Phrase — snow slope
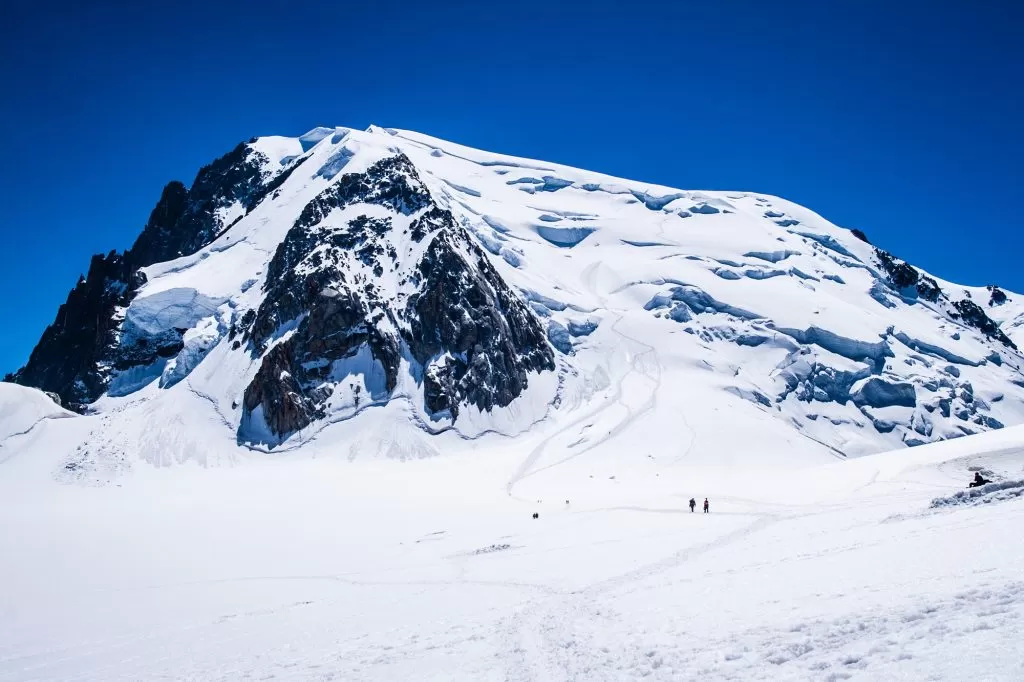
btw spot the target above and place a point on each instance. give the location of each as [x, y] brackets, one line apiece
[21, 411]
[321, 566]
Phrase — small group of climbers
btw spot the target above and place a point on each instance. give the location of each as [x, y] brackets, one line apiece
[707, 505]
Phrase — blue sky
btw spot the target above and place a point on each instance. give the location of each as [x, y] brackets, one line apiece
[901, 118]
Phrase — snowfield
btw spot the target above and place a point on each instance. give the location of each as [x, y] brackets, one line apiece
[328, 563]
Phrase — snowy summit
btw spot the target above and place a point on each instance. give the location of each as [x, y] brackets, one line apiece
[412, 346]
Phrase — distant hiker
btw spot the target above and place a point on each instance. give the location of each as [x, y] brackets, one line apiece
[536, 515]
[707, 506]
[978, 481]
[693, 504]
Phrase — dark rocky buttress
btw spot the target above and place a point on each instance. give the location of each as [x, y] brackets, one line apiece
[908, 281]
[466, 313]
[473, 338]
[69, 357]
[78, 351]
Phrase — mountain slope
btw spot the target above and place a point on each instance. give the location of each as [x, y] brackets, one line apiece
[348, 283]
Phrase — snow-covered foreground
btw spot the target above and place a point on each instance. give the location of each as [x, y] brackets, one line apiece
[318, 566]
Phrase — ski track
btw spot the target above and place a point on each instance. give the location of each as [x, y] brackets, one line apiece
[526, 468]
[542, 636]
[555, 638]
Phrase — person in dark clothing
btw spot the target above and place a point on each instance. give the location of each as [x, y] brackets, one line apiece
[979, 480]
[693, 504]
[707, 506]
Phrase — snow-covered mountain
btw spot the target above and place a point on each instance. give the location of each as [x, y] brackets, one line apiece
[361, 283]
[488, 388]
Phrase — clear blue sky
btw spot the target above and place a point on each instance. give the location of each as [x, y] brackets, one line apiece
[902, 118]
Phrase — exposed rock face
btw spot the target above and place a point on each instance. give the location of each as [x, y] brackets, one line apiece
[276, 385]
[185, 220]
[859, 234]
[367, 292]
[465, 311]
[158, 237]
[79, 350]
[69, 358]
[903, 276]
[392, 183]
[974, 315]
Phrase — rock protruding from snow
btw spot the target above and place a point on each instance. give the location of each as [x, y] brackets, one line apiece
[405, 284]
[78, 354]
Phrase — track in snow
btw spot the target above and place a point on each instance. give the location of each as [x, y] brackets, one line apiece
[638, 366]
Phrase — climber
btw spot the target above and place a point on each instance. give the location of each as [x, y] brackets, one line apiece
[707, 506]
[693, 504]
[978, 481]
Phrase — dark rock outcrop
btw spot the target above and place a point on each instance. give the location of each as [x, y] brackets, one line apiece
[391, 182]
[466, 310]
[974, 315]
[185, 220]
[473, 340]
[276, 384]
[860, 235]
[903, 276]
[996, 295]
[71, 356]
[78, 352]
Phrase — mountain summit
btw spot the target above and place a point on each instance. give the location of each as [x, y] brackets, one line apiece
[385, 287]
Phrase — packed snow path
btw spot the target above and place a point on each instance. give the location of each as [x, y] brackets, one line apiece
[643, 365]
[319, 568]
